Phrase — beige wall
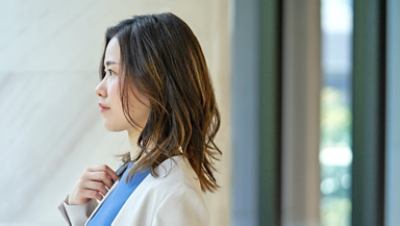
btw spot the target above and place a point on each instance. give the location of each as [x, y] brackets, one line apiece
[50, 126]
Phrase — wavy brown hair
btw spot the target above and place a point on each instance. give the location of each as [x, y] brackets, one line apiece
[162, 58]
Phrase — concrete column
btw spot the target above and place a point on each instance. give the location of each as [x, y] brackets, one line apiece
[301, 113]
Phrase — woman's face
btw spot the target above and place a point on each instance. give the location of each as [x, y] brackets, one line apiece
[108, 90]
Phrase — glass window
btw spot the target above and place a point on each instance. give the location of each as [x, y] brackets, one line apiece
[335, 147]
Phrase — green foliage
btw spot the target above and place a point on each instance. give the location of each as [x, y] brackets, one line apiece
[336, 118]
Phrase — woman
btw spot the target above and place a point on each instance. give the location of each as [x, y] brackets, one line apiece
[154, 85]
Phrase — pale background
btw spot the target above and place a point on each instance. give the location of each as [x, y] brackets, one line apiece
[51, 129]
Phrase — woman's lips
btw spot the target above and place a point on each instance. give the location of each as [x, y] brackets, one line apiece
[103, 107]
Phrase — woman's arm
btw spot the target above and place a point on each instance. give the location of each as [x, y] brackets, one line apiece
[77, 215]
[93, 184]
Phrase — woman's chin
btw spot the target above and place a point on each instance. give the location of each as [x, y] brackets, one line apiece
[113, 128]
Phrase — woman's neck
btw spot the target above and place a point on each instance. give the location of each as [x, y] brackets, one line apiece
[133, 136]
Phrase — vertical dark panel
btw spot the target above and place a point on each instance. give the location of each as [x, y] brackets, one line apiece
[245, 120]
[270, 112]
[368, 113]
[256, 112]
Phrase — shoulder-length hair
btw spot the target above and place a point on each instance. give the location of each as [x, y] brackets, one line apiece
[162, 58]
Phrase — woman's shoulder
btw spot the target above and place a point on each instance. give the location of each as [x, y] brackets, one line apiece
[172, 198]
[176, 179]
[175, 173]
[178, 191]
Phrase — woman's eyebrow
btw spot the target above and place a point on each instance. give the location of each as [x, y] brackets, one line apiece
[108, 63]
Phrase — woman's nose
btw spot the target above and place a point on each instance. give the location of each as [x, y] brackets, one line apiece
[100, 91]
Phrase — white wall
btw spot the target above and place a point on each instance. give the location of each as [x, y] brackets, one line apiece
[50, 128]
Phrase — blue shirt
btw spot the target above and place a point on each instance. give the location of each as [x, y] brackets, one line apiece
[110, 207]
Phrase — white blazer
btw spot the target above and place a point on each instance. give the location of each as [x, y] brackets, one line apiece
[173, 199]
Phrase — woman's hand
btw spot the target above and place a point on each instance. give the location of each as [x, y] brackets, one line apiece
[93, 184]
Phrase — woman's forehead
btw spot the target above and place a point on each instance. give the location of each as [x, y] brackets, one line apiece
[113, 53]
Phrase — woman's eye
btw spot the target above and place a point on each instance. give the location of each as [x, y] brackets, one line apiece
[109, 71]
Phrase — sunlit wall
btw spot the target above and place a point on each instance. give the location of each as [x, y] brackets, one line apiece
[50, 126]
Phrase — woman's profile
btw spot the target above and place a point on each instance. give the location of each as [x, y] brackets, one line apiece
[155, 85]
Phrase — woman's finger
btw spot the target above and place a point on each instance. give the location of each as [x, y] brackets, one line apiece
[101, 177]
[94, 185]
[104, 168]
